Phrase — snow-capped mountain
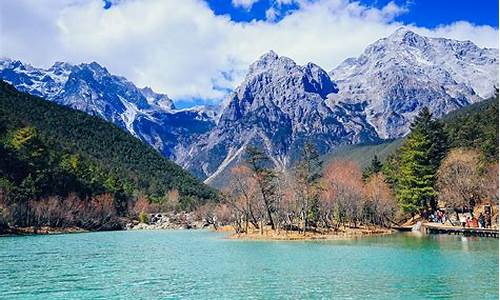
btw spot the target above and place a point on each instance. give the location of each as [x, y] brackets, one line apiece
[279, 106]
[396, 76]
[45, 83]
[149, 116]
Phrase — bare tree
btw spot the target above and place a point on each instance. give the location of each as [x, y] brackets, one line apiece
[243, 188]
[489, 182]
[343, 191]
[207, 214]
[380, 206]
[265, 178]
[459, 178]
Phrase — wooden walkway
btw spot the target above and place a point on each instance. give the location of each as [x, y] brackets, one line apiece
[467, 231]
[436, 228]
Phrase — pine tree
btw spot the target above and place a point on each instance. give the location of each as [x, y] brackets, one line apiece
[416, 183]
[433, 130]
[420, 157]
[374, 167]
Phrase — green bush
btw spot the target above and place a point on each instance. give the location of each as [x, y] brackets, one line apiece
[143, 217]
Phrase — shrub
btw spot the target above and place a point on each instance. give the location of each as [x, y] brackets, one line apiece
[143, 217]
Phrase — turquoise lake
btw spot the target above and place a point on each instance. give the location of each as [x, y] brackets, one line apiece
[205, 265]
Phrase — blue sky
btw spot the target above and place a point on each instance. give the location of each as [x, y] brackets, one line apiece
[197, 51]
[427, 13]
[431, 13]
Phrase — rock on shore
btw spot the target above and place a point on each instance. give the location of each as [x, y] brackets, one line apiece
[168, 220]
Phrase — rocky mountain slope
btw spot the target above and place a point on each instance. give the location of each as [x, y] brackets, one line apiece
[396, 76]
[279, 106]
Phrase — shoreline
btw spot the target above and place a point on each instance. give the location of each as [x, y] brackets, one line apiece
[228, 230]
[270, 235]
[44, 230]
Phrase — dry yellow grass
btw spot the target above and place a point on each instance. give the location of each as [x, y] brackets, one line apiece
[282, 235]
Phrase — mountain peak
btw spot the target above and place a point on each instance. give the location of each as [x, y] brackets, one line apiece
[407, 37]
[95, 67]
[153, 98]
[147, 90]
[269, 56]
[271, 62]
[60, 64]
[265, 61]
[280, 74]
[60, 67]
[8, 63]
[400, 32]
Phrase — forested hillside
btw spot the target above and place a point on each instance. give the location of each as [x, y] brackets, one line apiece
[474, 126]
[47, 150]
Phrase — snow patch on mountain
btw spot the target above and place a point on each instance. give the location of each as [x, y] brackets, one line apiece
[129, 115]
[231, 156]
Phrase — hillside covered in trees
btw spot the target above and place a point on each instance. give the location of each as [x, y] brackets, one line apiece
[55, 160]
[475, 126]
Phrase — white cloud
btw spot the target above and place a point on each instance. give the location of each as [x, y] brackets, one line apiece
[247, 4]
[180, 47]
[391, 10]
[271, 14]
[484, 36]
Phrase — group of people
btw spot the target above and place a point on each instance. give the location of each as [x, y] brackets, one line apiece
[465, 219]
[482, 221]
[439, 216]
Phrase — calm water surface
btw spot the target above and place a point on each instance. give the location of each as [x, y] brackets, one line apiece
[204, 265]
